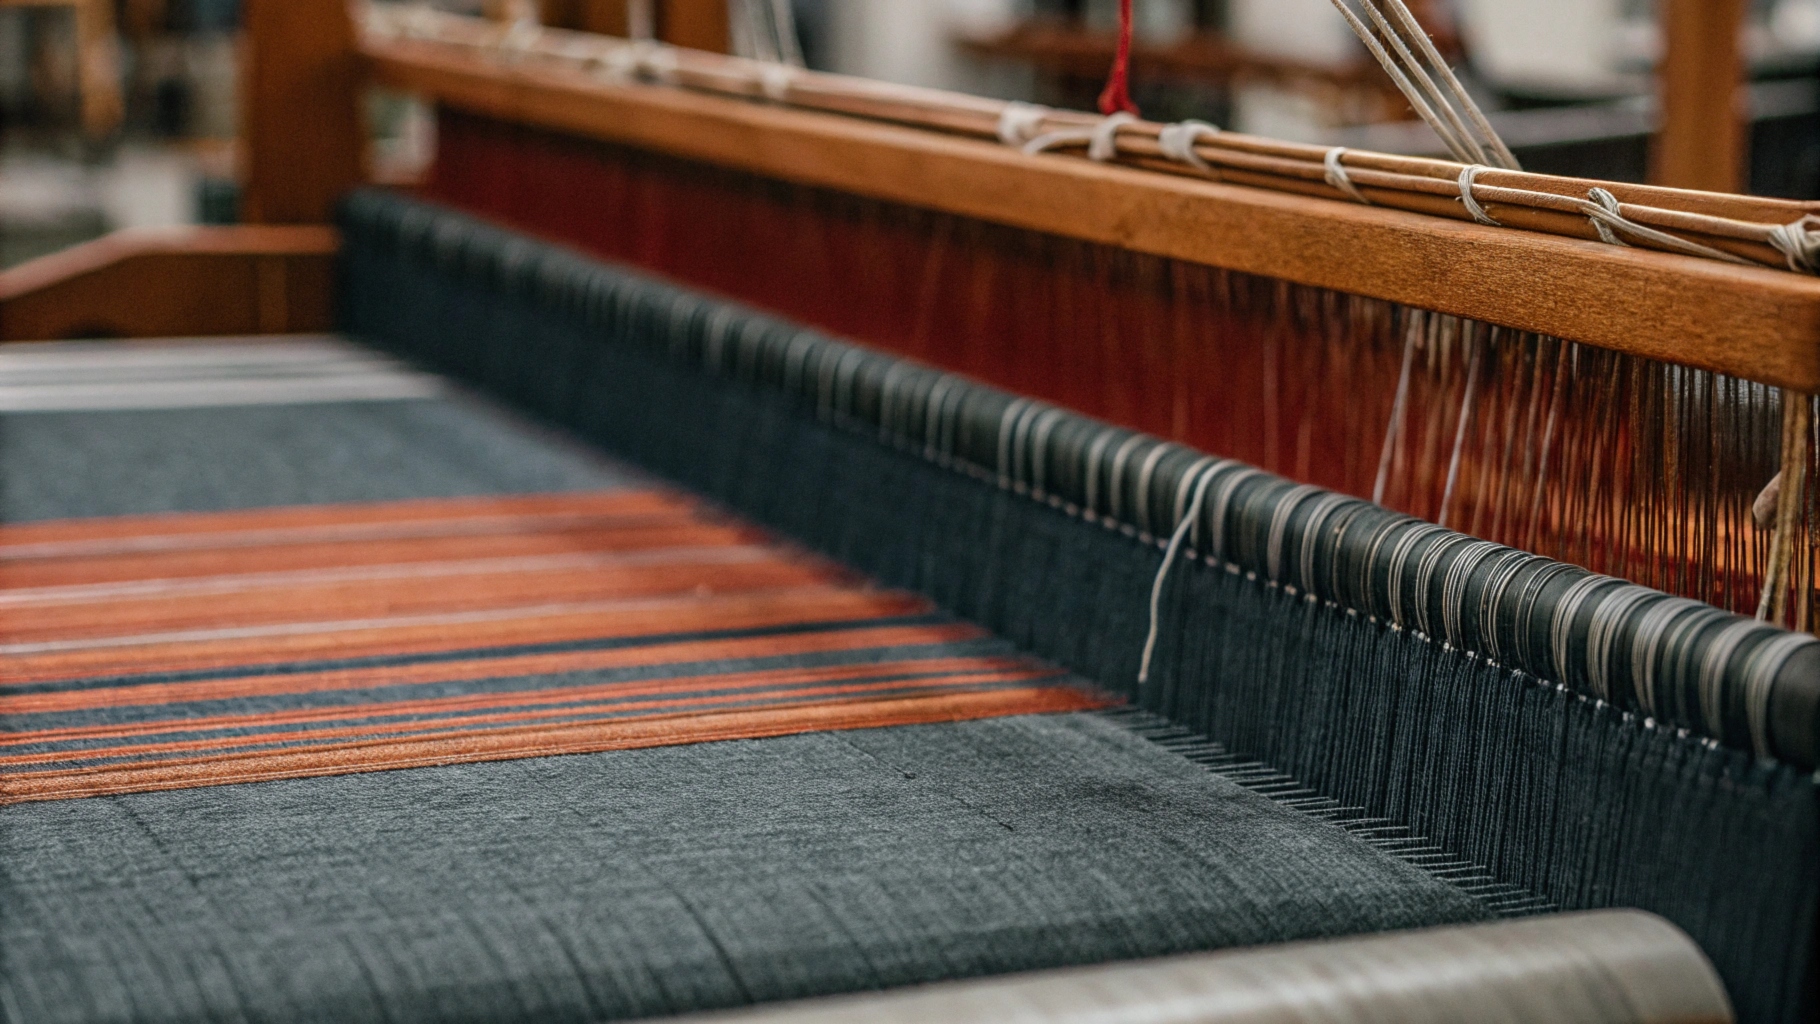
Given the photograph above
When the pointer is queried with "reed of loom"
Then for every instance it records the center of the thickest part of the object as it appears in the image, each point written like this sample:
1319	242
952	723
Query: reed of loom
1664	279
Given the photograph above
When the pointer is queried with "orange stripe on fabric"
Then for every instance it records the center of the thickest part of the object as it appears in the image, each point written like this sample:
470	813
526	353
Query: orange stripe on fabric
377	573
263	685
594	691
548	740
642	534
396	598
695	698
245	592
32	539
519	627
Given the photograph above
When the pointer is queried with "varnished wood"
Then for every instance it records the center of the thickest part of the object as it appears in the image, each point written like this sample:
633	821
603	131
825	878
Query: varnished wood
301	126
697	24
181	282
1755	323
1702	140
607	17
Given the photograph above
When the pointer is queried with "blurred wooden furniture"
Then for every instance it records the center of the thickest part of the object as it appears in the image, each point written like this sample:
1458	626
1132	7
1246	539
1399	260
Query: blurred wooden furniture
178	281
1703	139
97	61
698	24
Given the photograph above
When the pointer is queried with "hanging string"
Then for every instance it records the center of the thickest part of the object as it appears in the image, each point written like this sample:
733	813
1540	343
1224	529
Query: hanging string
1792	482
1116	97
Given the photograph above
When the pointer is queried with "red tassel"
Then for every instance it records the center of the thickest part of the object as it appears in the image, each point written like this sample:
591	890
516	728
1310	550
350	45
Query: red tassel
1117	95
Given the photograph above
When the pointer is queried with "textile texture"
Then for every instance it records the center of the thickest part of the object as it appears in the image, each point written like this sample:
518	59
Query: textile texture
1547	780
554	885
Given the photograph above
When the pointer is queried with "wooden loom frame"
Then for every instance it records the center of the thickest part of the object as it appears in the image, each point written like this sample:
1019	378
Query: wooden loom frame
1756	323
308	62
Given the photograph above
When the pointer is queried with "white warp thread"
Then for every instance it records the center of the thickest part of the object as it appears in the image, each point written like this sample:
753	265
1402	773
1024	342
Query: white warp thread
1468	175
1177	142
1337	177
1162	573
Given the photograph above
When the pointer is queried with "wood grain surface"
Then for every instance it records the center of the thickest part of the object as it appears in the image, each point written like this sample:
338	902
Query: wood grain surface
181	282
1755	323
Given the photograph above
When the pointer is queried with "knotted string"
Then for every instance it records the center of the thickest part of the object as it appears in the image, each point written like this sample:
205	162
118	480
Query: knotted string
1177	142
1606	214
1799	243
1468	175
1101	139
1019	122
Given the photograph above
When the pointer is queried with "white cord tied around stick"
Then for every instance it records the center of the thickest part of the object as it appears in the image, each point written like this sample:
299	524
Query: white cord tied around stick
1104	144
1468	176
1177	142
1019	123
1102	139
775	81
1608	203
1607	216
1799	243
1337	177
641	58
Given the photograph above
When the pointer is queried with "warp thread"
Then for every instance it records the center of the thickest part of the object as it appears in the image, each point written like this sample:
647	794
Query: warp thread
1360	704
1398	565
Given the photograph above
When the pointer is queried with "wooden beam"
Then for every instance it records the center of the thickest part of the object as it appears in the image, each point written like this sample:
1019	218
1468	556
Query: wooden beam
1756	323
181	282
1703	140
301	127
696	24
606	17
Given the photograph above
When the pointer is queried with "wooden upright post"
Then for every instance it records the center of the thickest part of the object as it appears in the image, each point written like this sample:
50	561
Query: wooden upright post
697	24
1703	139
607	17
302	138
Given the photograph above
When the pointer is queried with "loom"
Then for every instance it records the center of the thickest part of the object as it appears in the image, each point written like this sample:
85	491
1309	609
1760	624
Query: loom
773	536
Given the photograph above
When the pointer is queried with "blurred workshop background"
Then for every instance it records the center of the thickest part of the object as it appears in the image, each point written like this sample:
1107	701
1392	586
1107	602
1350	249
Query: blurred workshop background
122	113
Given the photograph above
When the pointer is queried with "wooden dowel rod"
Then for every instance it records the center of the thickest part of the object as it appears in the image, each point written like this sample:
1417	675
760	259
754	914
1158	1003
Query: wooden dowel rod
1759	324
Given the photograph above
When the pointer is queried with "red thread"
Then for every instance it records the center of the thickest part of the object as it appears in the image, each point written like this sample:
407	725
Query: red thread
1116	97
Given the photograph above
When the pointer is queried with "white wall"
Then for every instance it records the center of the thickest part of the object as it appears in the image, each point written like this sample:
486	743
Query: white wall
1557	47
907	41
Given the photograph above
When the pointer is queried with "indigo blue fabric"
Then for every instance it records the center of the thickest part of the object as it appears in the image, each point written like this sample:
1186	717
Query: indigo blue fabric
63	465
647	882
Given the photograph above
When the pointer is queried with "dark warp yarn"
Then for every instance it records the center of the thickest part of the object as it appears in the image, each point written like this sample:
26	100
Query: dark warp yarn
1580	800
